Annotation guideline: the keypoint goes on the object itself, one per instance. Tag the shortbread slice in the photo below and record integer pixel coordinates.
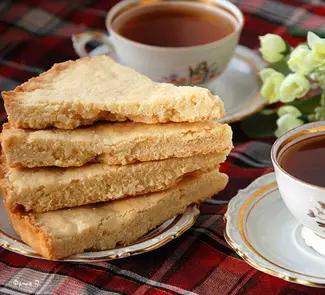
(62, 233)
(47, 189)
(83, 91)
(118, 143)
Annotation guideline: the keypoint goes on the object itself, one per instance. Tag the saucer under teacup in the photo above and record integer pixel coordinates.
(267, 236)
(238, 85)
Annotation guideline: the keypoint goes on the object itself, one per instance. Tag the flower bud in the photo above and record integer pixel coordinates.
(271, 84)
(287, 122)
(289, 110)
(293, 86)
(272, 47)
(300, 60)
(317, 46)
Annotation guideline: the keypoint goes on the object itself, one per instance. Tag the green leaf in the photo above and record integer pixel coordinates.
(288, 50)
(322, 98)
(281, 67)
(260, 125)
(308, 105)
(303, 33)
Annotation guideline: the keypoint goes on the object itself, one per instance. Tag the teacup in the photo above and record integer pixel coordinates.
(189, 65)
(304, 200)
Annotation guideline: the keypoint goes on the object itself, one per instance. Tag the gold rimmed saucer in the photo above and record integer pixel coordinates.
(260, 228)
(239, 85)
(156, 238)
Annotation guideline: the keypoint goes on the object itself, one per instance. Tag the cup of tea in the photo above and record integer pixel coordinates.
(182, 42)
(299, 162)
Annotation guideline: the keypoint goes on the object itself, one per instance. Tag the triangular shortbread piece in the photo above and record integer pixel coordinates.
(47, 189)
(80, 92)
(62, 233)
(119, 143)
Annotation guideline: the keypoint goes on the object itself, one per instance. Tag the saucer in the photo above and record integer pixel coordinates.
(156, 238)
(238, 85)
(260, 228)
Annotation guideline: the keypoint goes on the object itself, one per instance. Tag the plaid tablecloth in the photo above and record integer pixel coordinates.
(34, 35)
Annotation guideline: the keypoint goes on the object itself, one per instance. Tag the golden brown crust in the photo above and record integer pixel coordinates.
(40, 190)
(36, 82)
(26, 227)
(46, 100)
(113, 144)
(32, 84)
(3, 177)
(62, 233)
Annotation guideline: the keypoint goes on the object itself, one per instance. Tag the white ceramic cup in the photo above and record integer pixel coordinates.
(179, 65)
(305, 201)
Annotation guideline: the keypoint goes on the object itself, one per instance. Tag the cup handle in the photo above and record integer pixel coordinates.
(80, 41)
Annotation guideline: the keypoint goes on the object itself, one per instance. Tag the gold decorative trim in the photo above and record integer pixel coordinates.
(149, 2)
(257, 98)
(267, 270)
(299, 134)
(249, 260)
(275, 154)
(243, 116)
(112, 256)
(238, 16)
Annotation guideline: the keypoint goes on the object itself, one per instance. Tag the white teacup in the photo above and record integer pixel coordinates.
(305, 201)
(179, 65)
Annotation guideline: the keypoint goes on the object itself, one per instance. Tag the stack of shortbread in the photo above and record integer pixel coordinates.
(85, 185)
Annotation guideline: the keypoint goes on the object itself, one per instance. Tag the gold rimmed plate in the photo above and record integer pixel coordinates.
(156, 238)
(263, 232)
(238, 85)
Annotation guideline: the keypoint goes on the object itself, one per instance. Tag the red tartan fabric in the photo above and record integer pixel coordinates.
(34, 35)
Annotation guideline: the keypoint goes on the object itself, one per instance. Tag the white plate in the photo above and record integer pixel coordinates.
(153, 240)
(264, 233)
(238, 86)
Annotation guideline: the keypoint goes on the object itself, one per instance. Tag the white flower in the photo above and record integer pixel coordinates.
(266, 73)
(293, 86)
(300, 60)
(317, 46)
(289, 110)
(272, 47)
(271, 84)
(286, 123)
(288, 119)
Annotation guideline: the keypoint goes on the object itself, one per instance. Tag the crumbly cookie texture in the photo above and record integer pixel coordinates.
(80, 92)
(119, 143)
(62, 233)
(47, 189)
